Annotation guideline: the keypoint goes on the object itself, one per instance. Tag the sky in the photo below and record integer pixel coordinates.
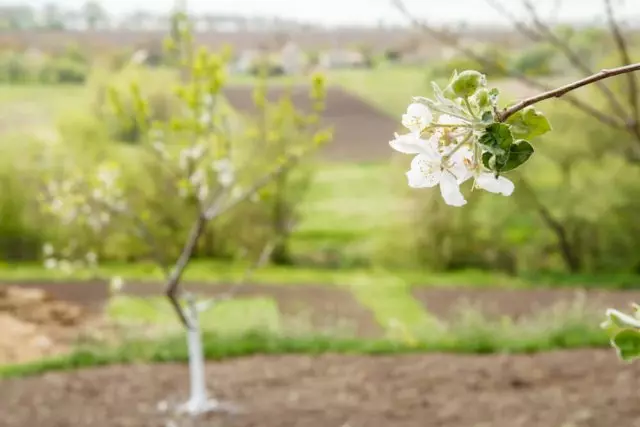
(365, 12)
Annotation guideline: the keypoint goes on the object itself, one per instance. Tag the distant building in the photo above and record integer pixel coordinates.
(333, 59)
(292, 58)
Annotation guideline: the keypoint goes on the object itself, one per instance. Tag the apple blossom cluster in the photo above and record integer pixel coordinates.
(458, 137)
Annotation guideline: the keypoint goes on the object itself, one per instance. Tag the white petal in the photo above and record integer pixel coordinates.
(487, 181)
(450, 190)
(446, 119)
(423, 173)
(408, 144)
(411, 143)
(417, 117)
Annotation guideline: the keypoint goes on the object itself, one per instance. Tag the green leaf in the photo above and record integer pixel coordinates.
(519, 152)
(496, 139)
(467, 83)
(529, 123)
(627, 343)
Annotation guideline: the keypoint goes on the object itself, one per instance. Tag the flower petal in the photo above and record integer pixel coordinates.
(446, 119)
(417, 117)
(460, 164)
(501, 185)
(411, 143)
(450, 190)
(408, 143)
(423, 173)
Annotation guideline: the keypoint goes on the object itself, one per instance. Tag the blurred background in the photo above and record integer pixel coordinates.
(357, 252)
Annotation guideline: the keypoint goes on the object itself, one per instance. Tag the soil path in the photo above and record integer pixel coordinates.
(583, 388)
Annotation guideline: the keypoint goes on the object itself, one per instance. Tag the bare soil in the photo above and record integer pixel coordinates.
(518, 303)
(584, 388)
(321, 308)
(360, 130)
(36, 325)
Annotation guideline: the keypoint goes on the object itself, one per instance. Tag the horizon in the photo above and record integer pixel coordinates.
(368, 12)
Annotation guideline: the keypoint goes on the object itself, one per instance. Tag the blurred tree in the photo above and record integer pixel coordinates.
(95, 15)
(53, 17)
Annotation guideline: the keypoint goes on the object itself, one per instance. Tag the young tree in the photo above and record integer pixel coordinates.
(217, 160)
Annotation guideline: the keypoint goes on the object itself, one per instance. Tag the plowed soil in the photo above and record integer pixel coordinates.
(518, 303)
(585, 388)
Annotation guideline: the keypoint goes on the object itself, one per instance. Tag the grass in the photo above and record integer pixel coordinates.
(217, 272)
(235, 316)
(470, 333)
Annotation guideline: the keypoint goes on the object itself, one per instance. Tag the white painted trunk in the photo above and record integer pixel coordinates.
(198, 400)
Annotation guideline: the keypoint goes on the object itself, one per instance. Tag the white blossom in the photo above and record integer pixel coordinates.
(430, 167)
(417, 117)
(225, 171)
(47, 249)
(50, 263)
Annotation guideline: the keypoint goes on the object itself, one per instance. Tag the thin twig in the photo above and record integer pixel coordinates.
(626, 60)
(518, 24)
(262, 260)
(574, 58)
(451, 40)
(562, 90)
(218, 207)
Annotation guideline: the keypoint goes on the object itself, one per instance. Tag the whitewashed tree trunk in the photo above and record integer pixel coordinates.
(199, 401)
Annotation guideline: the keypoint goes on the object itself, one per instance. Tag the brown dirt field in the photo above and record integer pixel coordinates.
(516, 303)
(36, 325)
(583, 388)
(320, 307)
(361, 131)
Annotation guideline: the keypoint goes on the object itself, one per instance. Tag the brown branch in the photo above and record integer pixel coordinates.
(521, 26)
(452, 41)
(562, 90)
(171, 288)
(218, 207)
(574, 58)
(626, 60)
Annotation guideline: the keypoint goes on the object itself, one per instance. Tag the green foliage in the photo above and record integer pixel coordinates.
(624, 331)
(534, 61)
(184, 141)
(627, 343)
(23, 68)
(528, 123)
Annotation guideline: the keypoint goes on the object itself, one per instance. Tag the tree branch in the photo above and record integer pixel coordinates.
(626, 60)
(519, 25)
(573, 57)
(451, 40)
(171, 288)
(557, 93)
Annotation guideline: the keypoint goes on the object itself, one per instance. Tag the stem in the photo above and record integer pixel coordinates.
(469, 108)
(450, 126)
(457, 147)
(562, 90)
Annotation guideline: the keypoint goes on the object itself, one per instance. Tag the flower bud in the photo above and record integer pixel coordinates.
(467, 83)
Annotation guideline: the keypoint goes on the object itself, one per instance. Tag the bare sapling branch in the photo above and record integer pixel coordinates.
(623, 49)
(573, 57)
(451, 40)
(562, 90)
